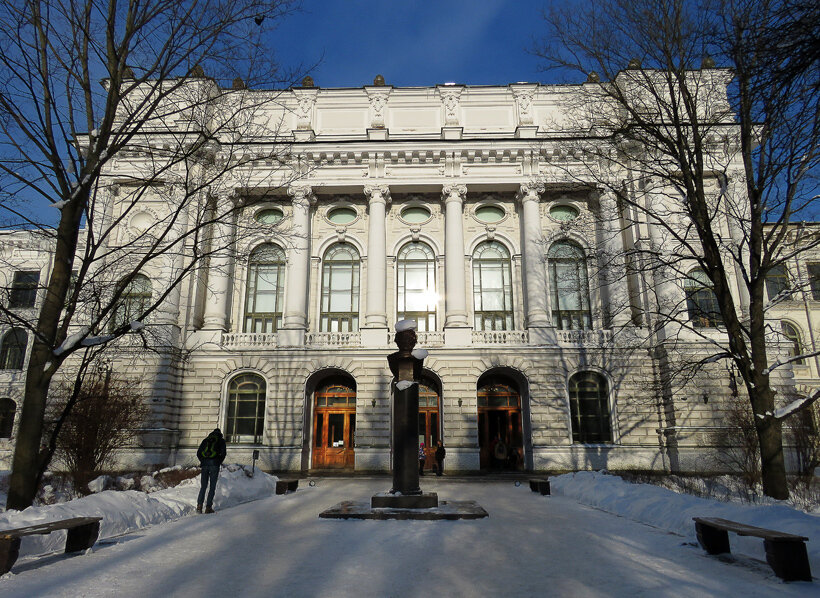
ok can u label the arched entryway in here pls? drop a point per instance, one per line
(334, 424)
(429, 419)
(500, 429)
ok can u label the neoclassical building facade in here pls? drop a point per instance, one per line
(459, 207)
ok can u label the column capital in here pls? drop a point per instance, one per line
(454, 192)
(302, 195)
(377, 193)
(530, 191)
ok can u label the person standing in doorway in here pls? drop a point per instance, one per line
(211, 454)
(422, 458)
(440, 453)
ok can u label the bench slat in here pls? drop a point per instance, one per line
(47, 527)
(741, 529)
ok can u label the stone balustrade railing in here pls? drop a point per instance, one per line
(434, 338)
(333, 339)
(501, 337)
(249, 340)
(584, 337)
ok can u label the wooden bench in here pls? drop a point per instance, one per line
(785, 553)
(285, 486)
(540, 485)
(82, 533)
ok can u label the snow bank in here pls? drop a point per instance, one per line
(673, 512)
(130, 510)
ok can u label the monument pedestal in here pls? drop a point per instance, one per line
(385, 500)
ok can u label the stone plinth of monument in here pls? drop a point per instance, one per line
(446, 510)
(405, 500)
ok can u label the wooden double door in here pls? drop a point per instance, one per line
(334, 427)
(500, 437)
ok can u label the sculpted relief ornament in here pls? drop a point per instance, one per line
(305, 100)
(451, 98)
(378, 102)
(523, 98)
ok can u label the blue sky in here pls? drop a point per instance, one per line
(413, 42)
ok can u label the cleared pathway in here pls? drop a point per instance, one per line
(529, 546)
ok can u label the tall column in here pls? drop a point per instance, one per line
(376, 315)
(294, 317)
(216, 306)
(455, 297)
(535, 282)
(616, 296)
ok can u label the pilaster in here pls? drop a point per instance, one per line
(376, 314)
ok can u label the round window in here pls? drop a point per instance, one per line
(269, 216)
(342, 215)
(563, 213)
(489, 214)
(415, 214)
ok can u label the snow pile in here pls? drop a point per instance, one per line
(130, 510)
(673, 512)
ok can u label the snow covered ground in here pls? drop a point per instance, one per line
(530, 545)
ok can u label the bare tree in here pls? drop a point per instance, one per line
(707, 139)
(158, 146)
(93, 420)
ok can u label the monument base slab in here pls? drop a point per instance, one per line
(385, 500)
(446, 510)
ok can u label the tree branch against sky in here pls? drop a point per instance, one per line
(82, 82)
(715, 182)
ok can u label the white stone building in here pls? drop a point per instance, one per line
(451, 205)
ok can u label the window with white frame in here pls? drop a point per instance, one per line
(589, 408)
(492, 287)
(777, 281)
(245, 420)
(23, 292)
(13, 349)
(340, 289)
(792, 335)
(264, 296)
(135, 299)
(8, 408)
(416, 288)
(701, 301)
(570, 286)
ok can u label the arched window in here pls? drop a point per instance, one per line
(246, 409)
(589, 408)
(266, 288)
(7, 410)
(13, 349)
(570, 287)
(792, 334)
(492, 287)
(133, 302)
(701, 301)
(417, 285)
(340, 289)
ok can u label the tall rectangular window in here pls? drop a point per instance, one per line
(814, 281)
(23, 291)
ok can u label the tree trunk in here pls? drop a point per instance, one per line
(27, 460)
(770, 436)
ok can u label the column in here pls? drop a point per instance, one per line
(455, 296)
(216, 306)
(535, 282)
(295, 309)
(378, 197)
(616, 300)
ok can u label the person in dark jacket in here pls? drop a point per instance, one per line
(211, 454)
(440, 453)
